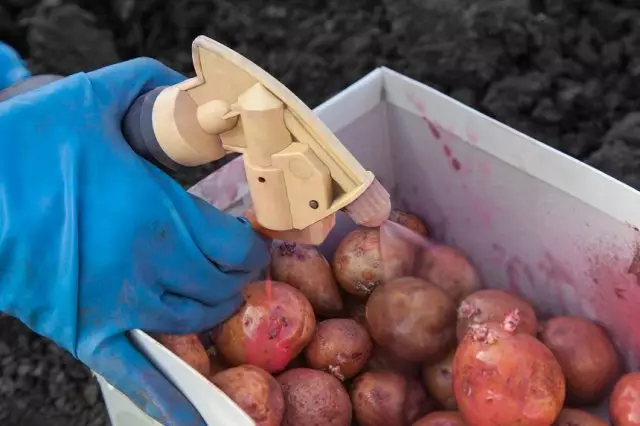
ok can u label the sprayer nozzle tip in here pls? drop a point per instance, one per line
(372, 208)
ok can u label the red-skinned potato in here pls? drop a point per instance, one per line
(573, 417)
(189, 348)
(438, 381)
(385, 399)
(305, 268)
(255, 391)
(503, 378)
(624, 407)
(441, 418)
(492, 305)
(273, 326)
(340, 347)
(587, 357)
(408, 220)
(384, 360)
(412, 318)
(449, 269)
(314, 398)
(360, 264)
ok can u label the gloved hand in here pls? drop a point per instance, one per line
(12, 68)
(95, 241)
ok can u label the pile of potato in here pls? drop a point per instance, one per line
(392, 335)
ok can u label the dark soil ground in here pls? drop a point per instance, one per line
(564, 71)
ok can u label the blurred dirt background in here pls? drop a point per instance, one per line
(564, 71)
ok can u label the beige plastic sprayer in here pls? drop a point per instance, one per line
(298, 172)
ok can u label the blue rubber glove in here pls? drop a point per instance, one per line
(12, 67)
(95, 241)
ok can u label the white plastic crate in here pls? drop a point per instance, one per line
(532, 219)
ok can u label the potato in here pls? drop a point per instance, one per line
(305, 268)
(314, 398)
(384, 360)
(491, 305)
(255, 391)
(270, 330)
(339, 346)
(587, 357)
(188, 348)
(441, 418)
(360, 264)
(449, 269)
(412, 318)
(572, 417)
(624, 407)
(438, 381)
(385, 399)
(504, 378)
(408, 220)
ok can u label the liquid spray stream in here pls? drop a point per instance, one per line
(400, 242)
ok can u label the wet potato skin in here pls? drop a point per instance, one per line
(587, 357)
(412, 318)
(449, 269)
(314, 398)
(409, 220)
(305, 268)
(502, 378)
(625, 401)
(438, 381)
(270, 330)
(492, 305)
(255, 391)
(339, 346)
(359, 266)
(189, 348)
(385, 399)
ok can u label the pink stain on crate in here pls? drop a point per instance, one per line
(419, 106)
(483, 206)
(519, 276)
(455, 163)
(499, 252)
(435, 130)
(616, 294)
(634, 267)
(555, 270)
(432, 127)
(558, 277)
(472, 137)
(480, 208)
(484, 168)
